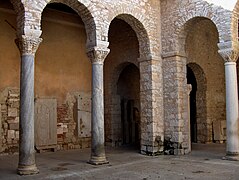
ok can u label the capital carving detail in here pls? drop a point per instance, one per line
(97, 55)
(28, 45)
(229, 55)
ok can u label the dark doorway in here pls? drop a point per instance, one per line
(128, 89)
(129, 122)
(191, 79)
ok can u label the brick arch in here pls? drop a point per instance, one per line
(81, 7)
(136, 22)
(185, 29)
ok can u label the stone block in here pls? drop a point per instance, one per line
(84, 102)
(15, 141)
(65, 128)
(12, 112)
(45, 122)
(17, 134)
(14, 126)
(9, 141)
(10, 134)
(5, 125)
(84, 124)
(59, 140)
(60, 130)
(184, 145)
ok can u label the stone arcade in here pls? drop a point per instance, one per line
(154, 74)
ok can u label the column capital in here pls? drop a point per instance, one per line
(228, 53)
(97, 54)
(28, 45)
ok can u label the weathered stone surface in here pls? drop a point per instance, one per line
(45, 123)
(10, 134)
(183, 32)
(84, 115)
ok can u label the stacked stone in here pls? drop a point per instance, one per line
(67, 129)
(10, 122)
(62, 126)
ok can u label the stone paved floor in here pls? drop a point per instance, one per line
(203, 163)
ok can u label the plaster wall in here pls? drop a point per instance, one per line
(9, 53)
(62, 65)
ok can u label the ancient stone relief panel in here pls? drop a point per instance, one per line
(84, 115)
(45, 123)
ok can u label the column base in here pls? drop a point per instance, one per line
(98, 160)
(27, 170)
(231, 157)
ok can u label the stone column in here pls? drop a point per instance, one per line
(97, 56)
(230, 57)
(27, 47)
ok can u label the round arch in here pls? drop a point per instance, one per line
(141, 33)
(80, 7)
(219, 16)
(185, 29)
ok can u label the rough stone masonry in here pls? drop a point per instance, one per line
(85, 74)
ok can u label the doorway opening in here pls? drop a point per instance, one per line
(191, 79)
(128, 88)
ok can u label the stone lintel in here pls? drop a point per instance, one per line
(98, 54)
(28, 45)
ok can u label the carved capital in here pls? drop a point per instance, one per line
(229, 55)
(229, 51)
(97, 55)
(28, 45)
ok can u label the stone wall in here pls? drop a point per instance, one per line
(181, 21)
(64, 68)
(9, 103)
(175, 14)
(68, 136)
(124, 51)
(201, 47)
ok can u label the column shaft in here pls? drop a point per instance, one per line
(232, 109)
(97, 117)
(27, 46)
(26, 150)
